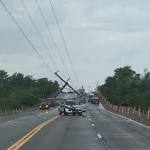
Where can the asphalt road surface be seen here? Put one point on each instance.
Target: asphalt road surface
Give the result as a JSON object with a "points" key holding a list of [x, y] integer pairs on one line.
{"points": [[98, 129]]}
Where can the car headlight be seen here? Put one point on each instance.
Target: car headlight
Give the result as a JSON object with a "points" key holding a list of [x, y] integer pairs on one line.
{"points": [[40, 106], [46, 106]]}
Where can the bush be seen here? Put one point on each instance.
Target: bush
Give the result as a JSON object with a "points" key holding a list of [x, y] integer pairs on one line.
{"points": [[18, 90], [127, 88]]}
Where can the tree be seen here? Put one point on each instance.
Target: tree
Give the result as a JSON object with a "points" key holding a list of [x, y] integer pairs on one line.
{"points": [[3, 81], [127, 88], [19, 90]]}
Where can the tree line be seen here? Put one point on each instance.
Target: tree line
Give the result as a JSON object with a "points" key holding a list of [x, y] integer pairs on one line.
{"points": [[127, 88], [18, 90]]}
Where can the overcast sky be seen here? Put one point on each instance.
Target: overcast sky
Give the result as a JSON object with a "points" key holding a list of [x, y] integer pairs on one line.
{"points": [[101, 35]]}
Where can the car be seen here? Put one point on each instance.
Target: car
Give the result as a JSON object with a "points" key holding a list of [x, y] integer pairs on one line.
{"points": [[70, 107], [44, 105]]}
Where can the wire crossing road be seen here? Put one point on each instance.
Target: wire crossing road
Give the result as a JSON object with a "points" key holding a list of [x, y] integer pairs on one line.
{"points": [[97, 130]]}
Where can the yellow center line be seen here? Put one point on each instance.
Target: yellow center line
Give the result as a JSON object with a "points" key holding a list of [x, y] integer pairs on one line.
{"points": [[29, 135]]}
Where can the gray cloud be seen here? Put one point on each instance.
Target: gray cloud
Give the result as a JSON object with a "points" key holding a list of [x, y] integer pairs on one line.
{"points": [[101, 35]]}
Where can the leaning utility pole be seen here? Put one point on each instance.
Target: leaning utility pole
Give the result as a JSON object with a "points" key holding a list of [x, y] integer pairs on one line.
{"points": [[62, 88], [66, 83]]}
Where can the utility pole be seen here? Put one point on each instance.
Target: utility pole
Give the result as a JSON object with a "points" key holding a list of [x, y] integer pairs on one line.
{"points": [[62, 88], [97, 85], [66, 83]]}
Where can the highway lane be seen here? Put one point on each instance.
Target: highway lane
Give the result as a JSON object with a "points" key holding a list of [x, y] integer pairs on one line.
{"points": [[119, 133], [12, 128], [66, 133], [20, 114], [97, 130]]}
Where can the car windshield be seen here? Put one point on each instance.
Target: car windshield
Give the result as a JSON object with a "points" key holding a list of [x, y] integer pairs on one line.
{"points": [[70, 103]]}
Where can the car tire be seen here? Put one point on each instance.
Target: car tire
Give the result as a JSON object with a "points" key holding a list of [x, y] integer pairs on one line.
{"points": [[66, 114], [60, 113]]}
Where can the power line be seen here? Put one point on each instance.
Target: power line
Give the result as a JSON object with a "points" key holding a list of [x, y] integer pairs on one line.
{"points": [[64, 41], [38, 32], [25, 36], [49, 32]]}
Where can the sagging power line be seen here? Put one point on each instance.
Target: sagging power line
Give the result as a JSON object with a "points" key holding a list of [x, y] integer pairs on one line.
{"points": [[50, 34], [55, 44], [26, 37], [38, 32], [63, 40]]}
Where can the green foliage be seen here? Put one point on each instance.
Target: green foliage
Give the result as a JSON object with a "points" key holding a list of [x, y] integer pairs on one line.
{"points": [[18, 90], [127, 88]]}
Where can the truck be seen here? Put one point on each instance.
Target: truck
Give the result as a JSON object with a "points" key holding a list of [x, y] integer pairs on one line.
{"points": [[94, 99]]}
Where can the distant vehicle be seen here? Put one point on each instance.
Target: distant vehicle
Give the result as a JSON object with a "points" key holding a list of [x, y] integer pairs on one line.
{"points": [[70, 107], [44, 105], [94, 100]]}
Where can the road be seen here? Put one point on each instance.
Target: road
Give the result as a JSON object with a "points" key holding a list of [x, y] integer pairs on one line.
{"points": [[98, 129]]}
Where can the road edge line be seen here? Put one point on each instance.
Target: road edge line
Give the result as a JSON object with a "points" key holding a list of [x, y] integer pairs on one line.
{"points": [[131, 120]]}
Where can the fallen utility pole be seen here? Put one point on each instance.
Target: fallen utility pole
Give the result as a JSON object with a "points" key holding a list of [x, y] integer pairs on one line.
{"points": [[66, 83], [62, 88]]}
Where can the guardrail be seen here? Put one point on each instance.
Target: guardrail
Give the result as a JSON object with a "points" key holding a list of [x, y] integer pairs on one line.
{"points": [[130, 112]]}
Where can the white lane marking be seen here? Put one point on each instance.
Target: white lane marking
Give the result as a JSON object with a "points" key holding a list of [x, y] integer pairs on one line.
{"points": [[46, 112], [90, 119], [93, 125], [99, 136], [10, 121]]}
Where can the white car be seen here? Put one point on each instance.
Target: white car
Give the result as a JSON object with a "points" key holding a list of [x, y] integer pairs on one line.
{"points": [[70, 107]]}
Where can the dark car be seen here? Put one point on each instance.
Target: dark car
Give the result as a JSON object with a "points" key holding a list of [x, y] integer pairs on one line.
{"points": [[44, 105], [70, 107]]}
